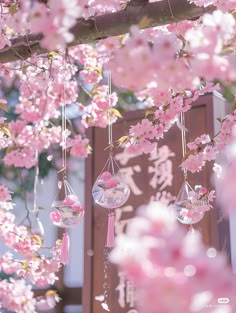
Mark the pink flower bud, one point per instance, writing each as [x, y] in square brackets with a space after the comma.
[70, 200]
[106, 175]
[202, 191]
[55, 217]
[112, 182]
[78, 208]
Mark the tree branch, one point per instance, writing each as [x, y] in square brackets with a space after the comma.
[110, 24]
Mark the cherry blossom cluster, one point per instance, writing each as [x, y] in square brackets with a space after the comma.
[205, 148]
[38, 268]
[25, 140]
[79, 147]
[50, 87]
[200, 54]
[177, 64]
[5, 198]
[167, 68]
[140, 136]
[165, 113]
[100, 111]
[22, 301]
[33, 266]
[17, 296]
[224, 5]
[163, 89]
[182, 276]
[54, 19]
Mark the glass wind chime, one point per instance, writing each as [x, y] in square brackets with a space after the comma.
[110, 190]
[67, 209]
[186, 205]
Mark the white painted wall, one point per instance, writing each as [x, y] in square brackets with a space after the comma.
[47, 193]
[220, 110]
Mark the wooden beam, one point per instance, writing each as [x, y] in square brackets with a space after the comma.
[109, 25]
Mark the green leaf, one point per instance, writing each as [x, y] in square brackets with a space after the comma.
[122, 140]
[149, 112]
[52, 55]
[116, 112]
[3, 106]
[4, 128]
[13, 9]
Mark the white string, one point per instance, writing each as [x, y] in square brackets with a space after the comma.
[114, 160]
[112, 166]
[64, 135]
[107, 165]
[170, 8]
[35, 208]
[68, 188]
[110, 135]
[183, 140]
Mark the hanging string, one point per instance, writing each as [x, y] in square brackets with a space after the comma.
[64, 135]
[110, 223]
[36, 178]
[63, 129]
[171, 11]
[110, 135]
[183, 140]
[106, 282]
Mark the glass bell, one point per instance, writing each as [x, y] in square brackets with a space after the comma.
[110, 189]
[69, 211]
[188, 208]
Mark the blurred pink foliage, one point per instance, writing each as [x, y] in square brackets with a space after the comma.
[172, 266]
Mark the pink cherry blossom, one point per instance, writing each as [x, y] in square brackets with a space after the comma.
[224, 5]
[70, 200]
[5, 194]
[55, 21]
[47, 302]
[78, 146]
[55, 217]
[106, 175]
[111, 182]
[78, 208]
[194, 163]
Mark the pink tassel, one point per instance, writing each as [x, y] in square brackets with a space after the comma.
[191, 229]
[65, 249]
[111, 230]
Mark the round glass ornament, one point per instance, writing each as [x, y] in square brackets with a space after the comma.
[69, 211]
[110, 190]
[187, 207]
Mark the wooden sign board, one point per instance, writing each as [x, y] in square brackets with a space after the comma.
[156, 176]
